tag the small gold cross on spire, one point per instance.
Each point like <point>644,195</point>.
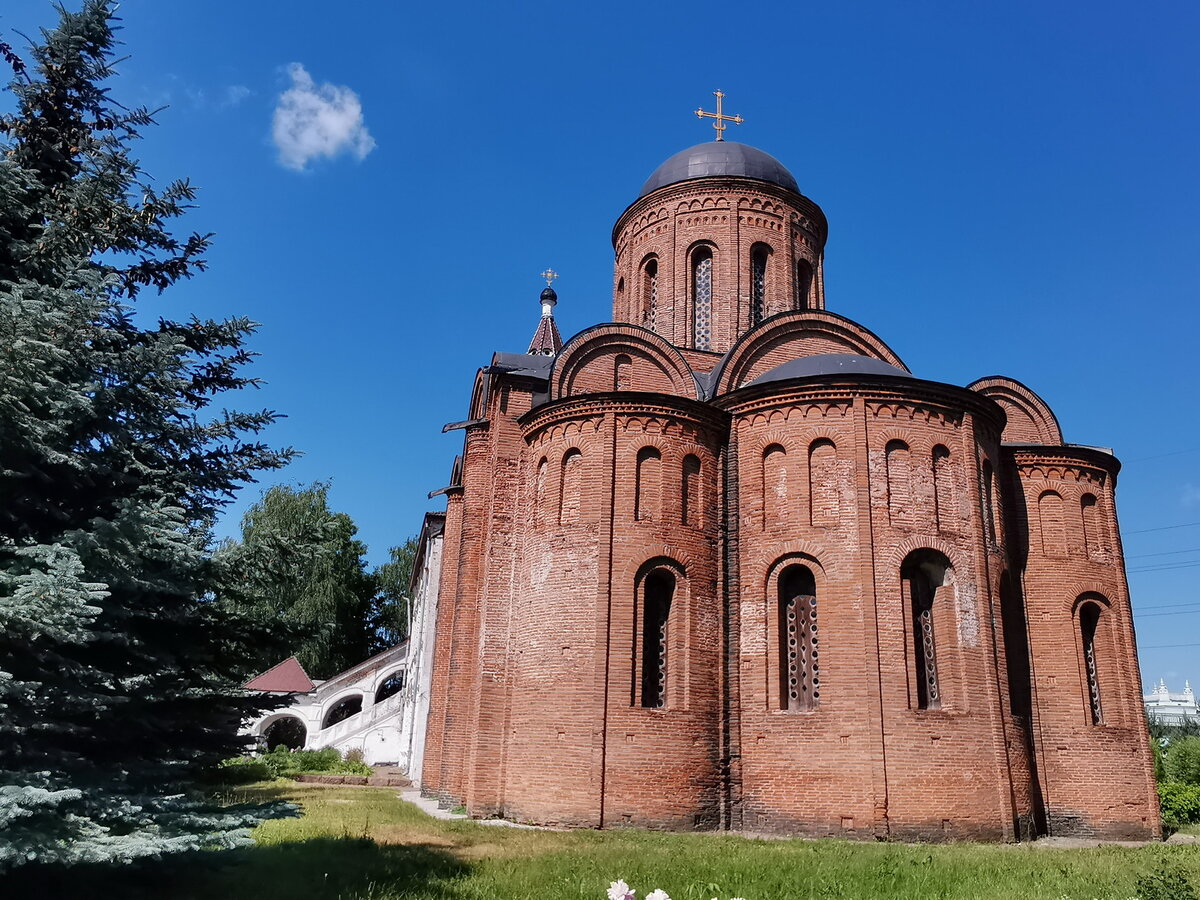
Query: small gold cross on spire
<point>549,275</point>
<point>720,117</point>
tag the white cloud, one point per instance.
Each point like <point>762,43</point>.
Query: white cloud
<point>314,120</point>
<point>235,94</point>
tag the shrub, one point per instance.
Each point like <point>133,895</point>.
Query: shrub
<point>1180,804</point>
<point>1183,760</point>
<point>283,762</point>
<point>1168,881</point>
<point>354,755</point>
<point>243,770</point>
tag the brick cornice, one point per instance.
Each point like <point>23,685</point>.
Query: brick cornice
<point>726,184</point>
<point>1082,459</point>
<point>621,403</point>
<point>882,389</point>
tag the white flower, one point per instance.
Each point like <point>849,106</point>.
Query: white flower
<point>619,890</point>
<point>658,894</point>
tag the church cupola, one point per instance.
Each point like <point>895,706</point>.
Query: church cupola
<point>719,239</point>
<point>546,340</point>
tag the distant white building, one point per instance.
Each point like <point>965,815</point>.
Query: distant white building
<point>423,589</point>
<point>359,709</point>
<point>379,706</point>
<point>1171,709</point>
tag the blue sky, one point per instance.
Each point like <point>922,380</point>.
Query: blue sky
<point>1011,188</point>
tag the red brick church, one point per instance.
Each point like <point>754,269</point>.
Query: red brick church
<point>726,563</point>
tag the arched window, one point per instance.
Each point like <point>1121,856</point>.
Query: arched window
<point>1016,648</point>
<point>988,497</point>
<point>570,485</point>
<point>1090,613</point>
<point>943,487</point>
<point>539,492</point>
<point>1092,535</point>
<point>658,590</point>
<point>804,275</point>
<point>390,686</point>
<point>702,294</point>
<point>799,686</point>
<point>1050,517</point>
<point>622,365</point>
<point>647,501</point>
<point>899,482</point>
<point>342,710</point>
<point>758,282</point>
<point>650,293</point>
<point>690,492</point>
<point>774,486</point>
<point>923,575</point>
<point>823,482</point>
<point>286,731</point>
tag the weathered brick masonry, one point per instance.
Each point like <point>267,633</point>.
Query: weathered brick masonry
<point>726,563</point>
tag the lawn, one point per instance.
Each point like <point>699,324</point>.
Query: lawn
<point>367,844</point>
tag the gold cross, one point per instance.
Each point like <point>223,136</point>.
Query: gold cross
<point>549,275</point>
<point>719,116</point>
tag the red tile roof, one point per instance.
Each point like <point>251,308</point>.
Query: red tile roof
<point>288,677</point>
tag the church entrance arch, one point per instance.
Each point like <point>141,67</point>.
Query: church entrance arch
<point>286,731</point>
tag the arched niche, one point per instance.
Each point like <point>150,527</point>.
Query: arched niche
<point>284,731</point>
<point>342,709</point>
<point>390,685</point>
<point>794,334</point>
<point>621,357</point>
<point>1030,419</point>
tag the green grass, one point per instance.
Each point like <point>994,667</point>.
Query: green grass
<point>367,844</point>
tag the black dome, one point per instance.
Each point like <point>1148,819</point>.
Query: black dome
<point>720,158</point>
<point>829,364</point>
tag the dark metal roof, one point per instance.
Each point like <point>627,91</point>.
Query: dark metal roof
<point>527,364</point>
<point>720,158</point>
<point>829,364</point>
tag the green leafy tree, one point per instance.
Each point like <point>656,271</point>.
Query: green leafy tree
<point>299,568</point>
<point>118,675</point>
<point>1182,762</point>
<point>393,603</point>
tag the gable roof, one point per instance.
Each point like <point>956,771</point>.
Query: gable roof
<point>288,677</point>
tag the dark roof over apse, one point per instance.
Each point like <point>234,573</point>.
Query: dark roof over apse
<point>717,158</point>
<point>829,364</point>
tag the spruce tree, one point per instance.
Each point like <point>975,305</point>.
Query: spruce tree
<point>118,673</point>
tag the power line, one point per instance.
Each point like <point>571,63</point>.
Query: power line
<point>1177,612</point>
<point>1164,553</point>
<point>1163,456</point>
<point>1169,646</point>
<point>1164,528</point>
<point>1167,605</point>
<point>1166,567</point>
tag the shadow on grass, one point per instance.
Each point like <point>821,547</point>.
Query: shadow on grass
<point>317,869</point>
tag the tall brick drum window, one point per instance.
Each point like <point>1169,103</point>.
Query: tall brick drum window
<point>650,293</point>
<point>800,686</point>
<point>1089,622</point>
<point>702,290</point>
<point>758,283</point>
<point>804,274</point>
<point>657,592</point>
<point>922,576</point>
